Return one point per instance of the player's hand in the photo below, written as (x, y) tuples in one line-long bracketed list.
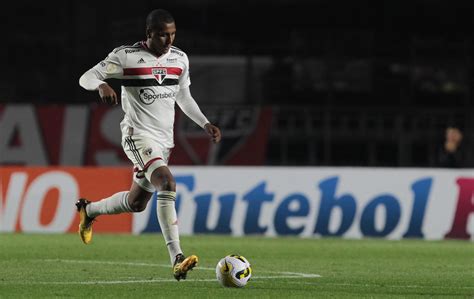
[(107, 94), (214, 132)]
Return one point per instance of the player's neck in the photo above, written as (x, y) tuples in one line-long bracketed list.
[(153, 51)]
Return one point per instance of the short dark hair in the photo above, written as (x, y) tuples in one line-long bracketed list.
[(157, 17)]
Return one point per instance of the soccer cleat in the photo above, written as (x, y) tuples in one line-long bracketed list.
[(183, 264), (85, 225)]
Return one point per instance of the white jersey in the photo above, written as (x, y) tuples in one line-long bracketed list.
[(150, 85)]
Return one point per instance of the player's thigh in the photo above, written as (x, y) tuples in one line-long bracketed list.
[(146, 156)]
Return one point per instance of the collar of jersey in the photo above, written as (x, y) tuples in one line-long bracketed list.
[(145, 46)]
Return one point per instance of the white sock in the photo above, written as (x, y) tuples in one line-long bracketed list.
[(115, 204), (166, 212)]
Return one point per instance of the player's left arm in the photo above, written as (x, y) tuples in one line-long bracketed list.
[(189, 106)]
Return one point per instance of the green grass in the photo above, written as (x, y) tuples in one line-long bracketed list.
[(48, 266)]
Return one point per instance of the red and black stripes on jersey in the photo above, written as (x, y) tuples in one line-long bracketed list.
[(148, 82), (160, 74)]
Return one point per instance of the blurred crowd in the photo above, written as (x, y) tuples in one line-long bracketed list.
[(327, 55), (321, 52)]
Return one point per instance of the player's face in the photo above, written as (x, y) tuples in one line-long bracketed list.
[(161, 39)]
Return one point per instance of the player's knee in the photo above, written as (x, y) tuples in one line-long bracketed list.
[(163, 180), (138, 206), (169, 185)]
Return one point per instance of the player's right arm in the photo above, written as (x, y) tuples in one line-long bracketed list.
[(94, 78)]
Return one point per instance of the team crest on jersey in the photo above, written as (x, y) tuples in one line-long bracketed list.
[(148, 151), (159, 73)]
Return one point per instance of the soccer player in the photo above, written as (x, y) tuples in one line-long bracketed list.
[(154, 76)]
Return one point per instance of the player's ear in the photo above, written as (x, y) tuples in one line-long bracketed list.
[(148, 33)]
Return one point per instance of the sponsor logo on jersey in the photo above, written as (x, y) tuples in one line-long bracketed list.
[(131, 51), (159, 73), (171, 60), (148, 95), (176, 52), (141, 60)]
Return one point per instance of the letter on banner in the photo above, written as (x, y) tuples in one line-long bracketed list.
[(345, 202), (9, 209), (284, 212), (392, 212), (203, 204), (19, 121), (465, 207), (255, 198), (34, 202)]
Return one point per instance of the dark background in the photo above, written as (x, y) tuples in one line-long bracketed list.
[(361, 83)]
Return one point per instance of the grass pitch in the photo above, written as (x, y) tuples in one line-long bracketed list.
[(124, 266)]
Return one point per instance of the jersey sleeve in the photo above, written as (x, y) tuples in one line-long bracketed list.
[(185, 79), (111, 66), (189, 106)]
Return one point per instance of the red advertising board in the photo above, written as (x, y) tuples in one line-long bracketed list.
[(42, 198), (77, 135)]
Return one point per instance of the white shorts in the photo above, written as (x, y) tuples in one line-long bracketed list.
[(146, 156)]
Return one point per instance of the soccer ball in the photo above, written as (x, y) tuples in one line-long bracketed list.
[(233, 271)]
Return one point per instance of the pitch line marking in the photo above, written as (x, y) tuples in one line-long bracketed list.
[(278, 274), (288, 275), (145, 281)]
